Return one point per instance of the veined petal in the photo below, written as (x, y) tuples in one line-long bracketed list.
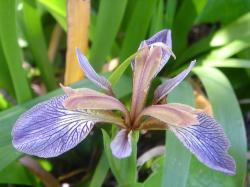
[(48, 129), (203, 136), (170, 114), (146, 64), (208, 142), (85, 98), (91, 74), (166, 87), (121, 145), (162, 39)]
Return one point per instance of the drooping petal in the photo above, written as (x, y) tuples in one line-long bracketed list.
[(162, 38), (166, 87), (121, 146), (48, 129), (91, 74), (208, 142), (146, 64), (84, 98), (203, 136)]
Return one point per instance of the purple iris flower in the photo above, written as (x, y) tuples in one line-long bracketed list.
[(59, 124)]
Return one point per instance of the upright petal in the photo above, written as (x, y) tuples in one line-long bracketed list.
[(84, 98), (91, 74), (208, 142), (146, 64), (203, 136), (166, 87), (162, 39), (121, 146), (163, 36), (48, 129)]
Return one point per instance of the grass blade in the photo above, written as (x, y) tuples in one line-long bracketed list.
[(5, 78), (109, 19), (137, 27), (229, 63), (36, 40), (100, 172), (116, 75), (12, 52), (170, 13), (57, 8)]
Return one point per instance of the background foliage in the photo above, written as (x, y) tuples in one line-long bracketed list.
[(33, 46)]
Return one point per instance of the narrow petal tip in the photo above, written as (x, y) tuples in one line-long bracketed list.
[(166, 87), (91, 73)]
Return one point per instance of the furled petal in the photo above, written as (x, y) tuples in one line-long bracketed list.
[(91, 74), (166, 87), (162, 39), (207, 141), (48, 129), (121, 145), (146, 64), (85, 98)]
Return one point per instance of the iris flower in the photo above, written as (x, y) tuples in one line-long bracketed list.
[(59, 124)]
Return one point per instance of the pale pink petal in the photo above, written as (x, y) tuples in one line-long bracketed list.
[(171, 114), (146, 64), (85, 98)]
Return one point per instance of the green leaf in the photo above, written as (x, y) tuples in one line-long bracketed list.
[(235, 30), (156, 177), (8, 151), (36, 40), (227, 112), (157, 18), (109, 19), (100, 172), (15, 173), (229, 49), (170, 13), (177, 161), (199, 47), (58, 10), (113, 162), (229, 63), (117, 74), (5, 78), (137, 27), (184, 20), (223, 11), (12, 52)]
